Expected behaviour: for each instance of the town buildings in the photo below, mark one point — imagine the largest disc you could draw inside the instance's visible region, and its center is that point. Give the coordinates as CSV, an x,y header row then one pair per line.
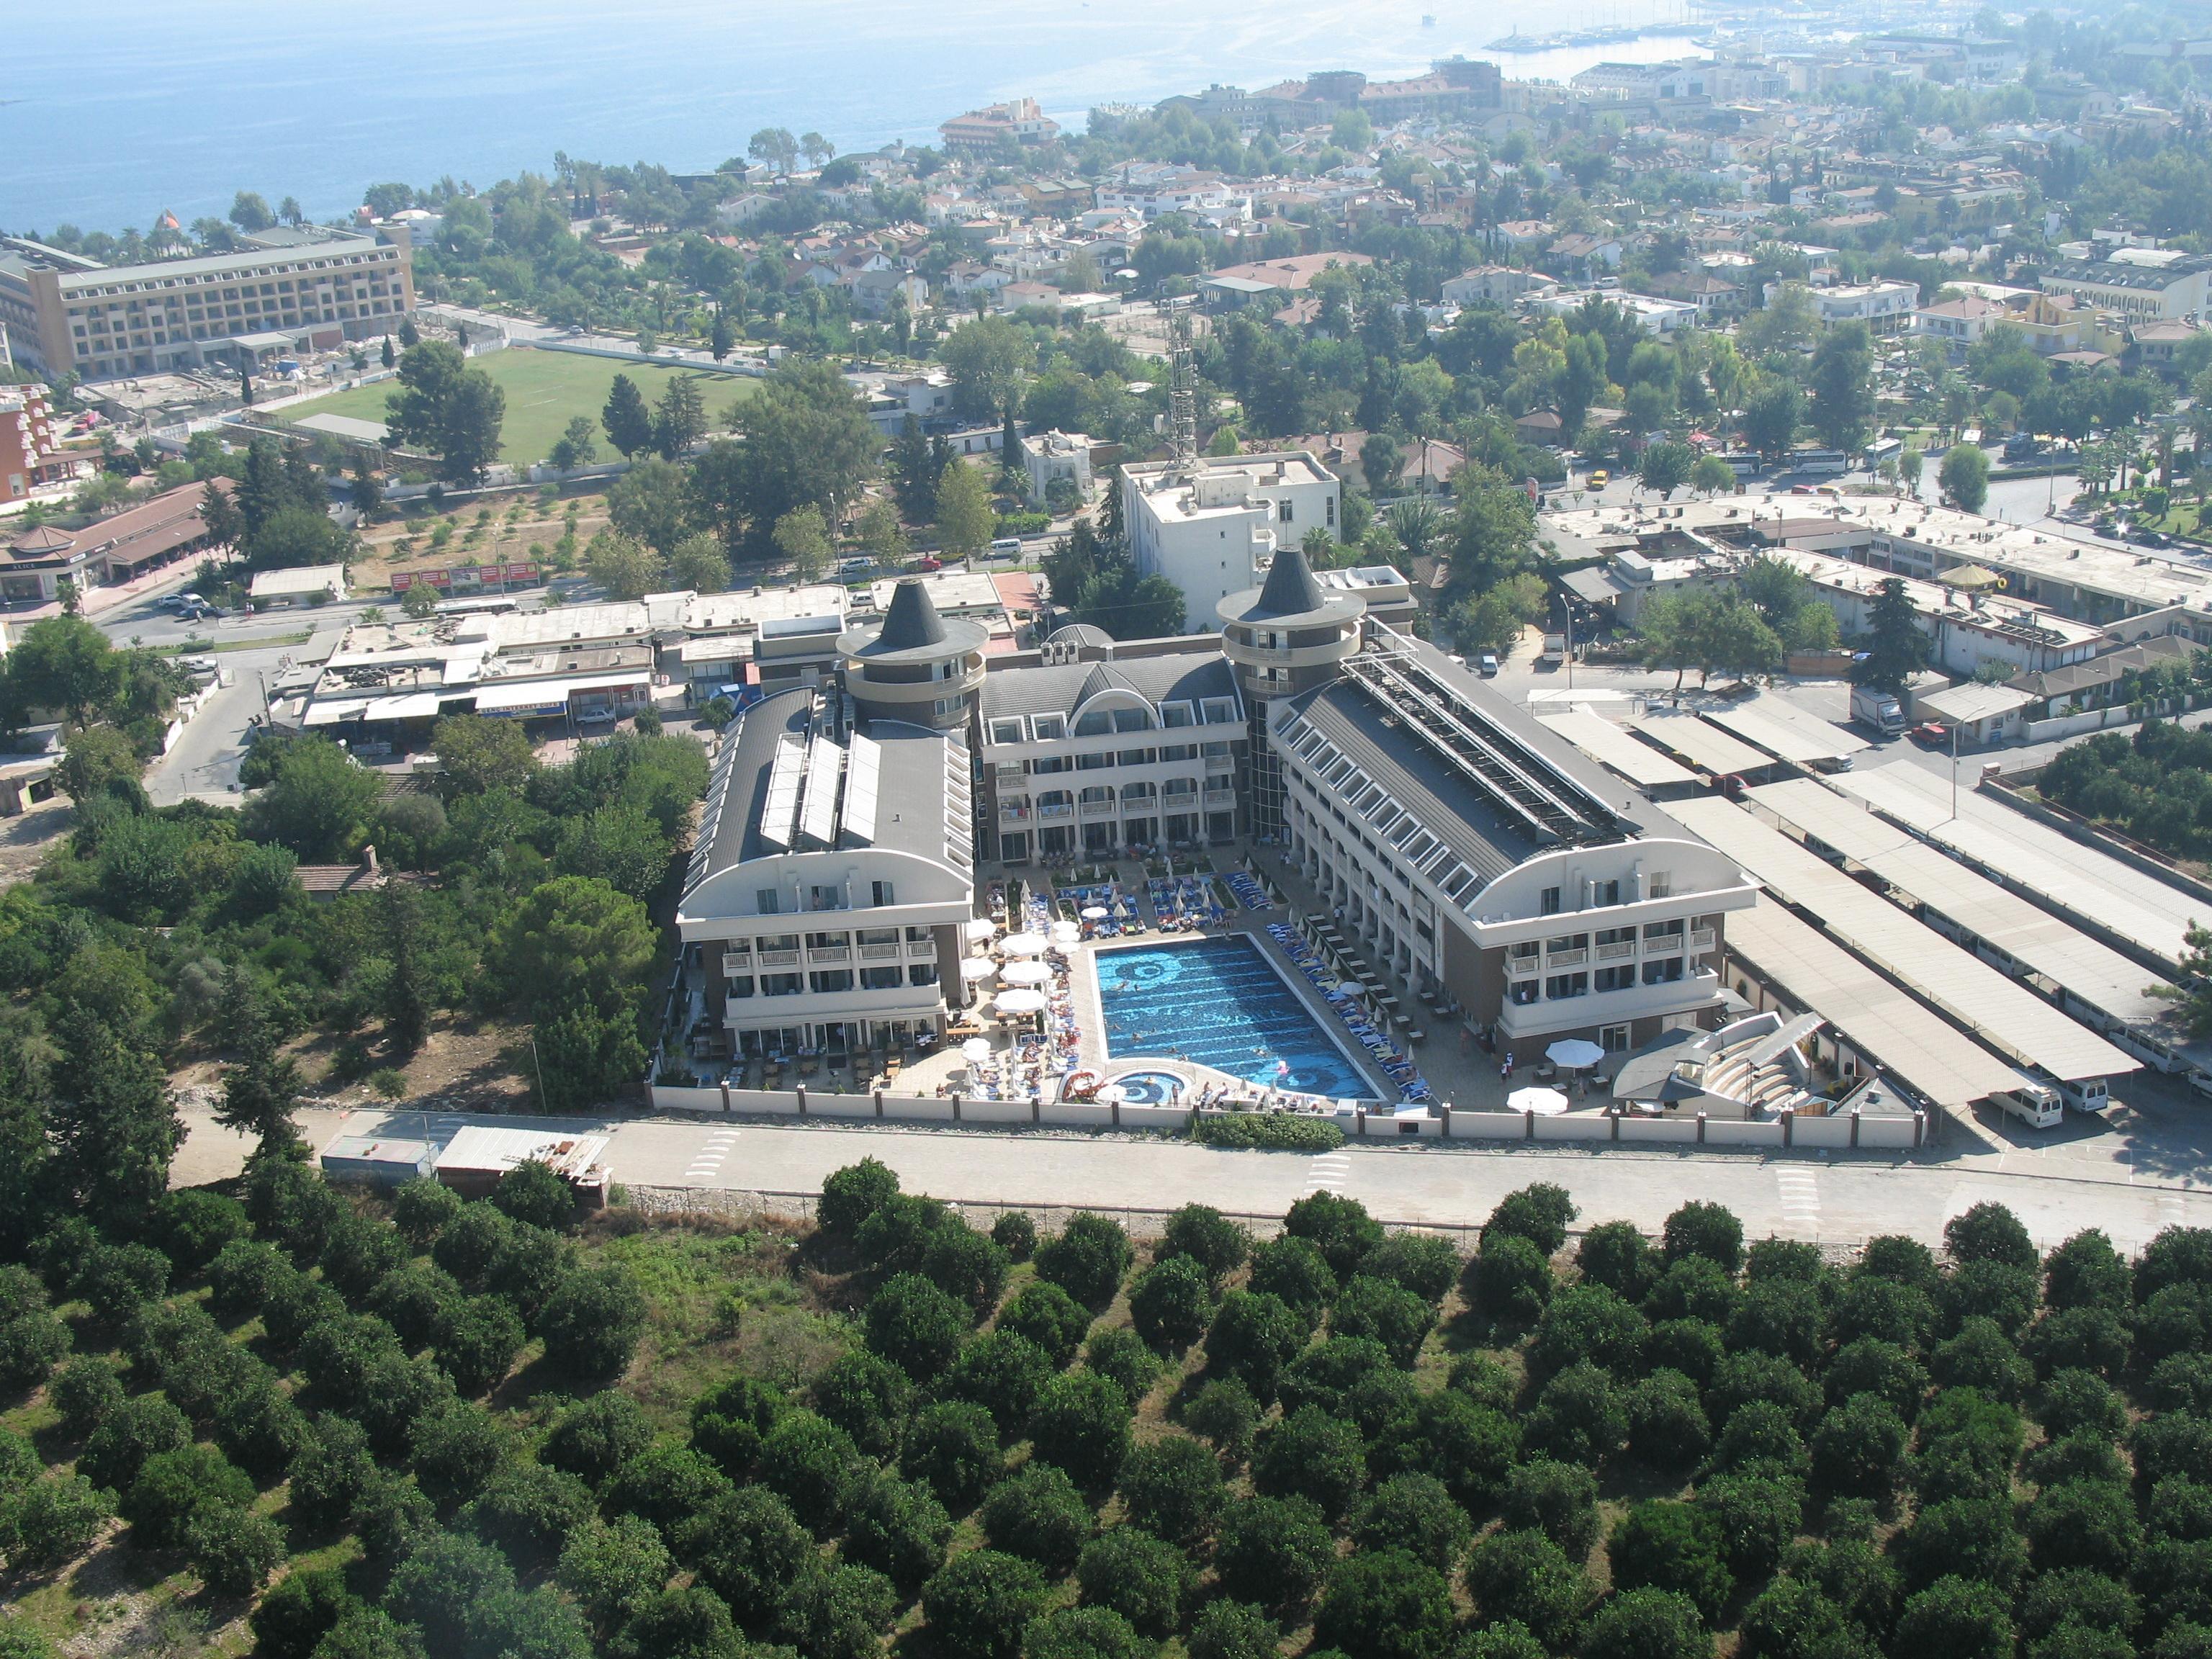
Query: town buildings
x,y
30,443
289,289
1212,526
2141,285
1018,121
158,530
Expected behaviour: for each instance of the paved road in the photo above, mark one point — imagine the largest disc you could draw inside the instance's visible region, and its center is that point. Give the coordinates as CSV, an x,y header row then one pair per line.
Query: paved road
x,y
2140,1171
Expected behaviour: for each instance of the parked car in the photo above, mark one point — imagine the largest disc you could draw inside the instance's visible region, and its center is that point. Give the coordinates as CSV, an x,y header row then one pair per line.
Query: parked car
x,y
1488,664
1933,735
855,568
928,563
1598,479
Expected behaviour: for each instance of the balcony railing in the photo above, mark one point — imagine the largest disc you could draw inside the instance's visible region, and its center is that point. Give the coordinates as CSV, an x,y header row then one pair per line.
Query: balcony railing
x,y
1057,810
1220,797
1564,958
830,953
734,964
879,953
777,958
1614,952
1702,939
921,948
1521,967
1098,809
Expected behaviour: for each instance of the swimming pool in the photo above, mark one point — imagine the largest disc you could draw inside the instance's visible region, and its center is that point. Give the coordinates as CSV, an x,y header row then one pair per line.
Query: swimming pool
x,y
1218,1002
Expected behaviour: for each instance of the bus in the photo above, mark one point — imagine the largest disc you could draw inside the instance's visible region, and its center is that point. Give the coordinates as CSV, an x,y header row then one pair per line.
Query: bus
x,y
1818,460
490,604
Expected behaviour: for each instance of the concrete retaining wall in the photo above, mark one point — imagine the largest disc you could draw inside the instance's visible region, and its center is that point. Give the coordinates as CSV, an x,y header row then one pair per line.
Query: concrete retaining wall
x,y
1576,1128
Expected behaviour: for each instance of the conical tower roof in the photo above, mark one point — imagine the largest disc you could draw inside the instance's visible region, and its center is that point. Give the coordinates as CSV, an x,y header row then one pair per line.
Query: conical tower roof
x,y
912,622
1289,589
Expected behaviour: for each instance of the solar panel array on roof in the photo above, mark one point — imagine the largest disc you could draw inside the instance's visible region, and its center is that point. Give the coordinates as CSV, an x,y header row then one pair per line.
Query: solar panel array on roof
x,y
862,769
779,825
825,764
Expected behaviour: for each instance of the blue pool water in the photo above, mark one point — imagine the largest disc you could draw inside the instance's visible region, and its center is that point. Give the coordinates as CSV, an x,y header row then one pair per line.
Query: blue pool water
x,y
1151,1088
1217,1002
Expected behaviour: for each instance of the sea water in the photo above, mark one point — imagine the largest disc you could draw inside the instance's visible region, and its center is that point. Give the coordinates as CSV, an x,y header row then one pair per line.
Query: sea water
x,y
114,111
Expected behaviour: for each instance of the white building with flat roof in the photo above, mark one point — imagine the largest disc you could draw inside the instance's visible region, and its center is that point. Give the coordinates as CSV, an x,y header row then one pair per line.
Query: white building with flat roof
x,y
1211,527
833,869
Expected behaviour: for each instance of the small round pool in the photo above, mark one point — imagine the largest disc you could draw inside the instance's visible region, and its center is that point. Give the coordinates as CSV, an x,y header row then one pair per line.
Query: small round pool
x,y
1149,1088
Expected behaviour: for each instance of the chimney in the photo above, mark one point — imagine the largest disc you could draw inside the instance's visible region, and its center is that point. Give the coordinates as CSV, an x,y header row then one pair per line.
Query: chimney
x,y
368,858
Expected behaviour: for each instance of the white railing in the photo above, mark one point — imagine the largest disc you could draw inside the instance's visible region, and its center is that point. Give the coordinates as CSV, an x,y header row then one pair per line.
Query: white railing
x,y
830,953
1614,952
777,958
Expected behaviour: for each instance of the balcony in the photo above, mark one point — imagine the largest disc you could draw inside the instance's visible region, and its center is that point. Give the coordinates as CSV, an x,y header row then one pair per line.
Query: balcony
x,y
1564,958
1680,996
830,953
1702,939
1221,798
880,953
1009,813
1098,809
1221,763
736,963
1057,810
1521,967
1615,952
779,958
923,949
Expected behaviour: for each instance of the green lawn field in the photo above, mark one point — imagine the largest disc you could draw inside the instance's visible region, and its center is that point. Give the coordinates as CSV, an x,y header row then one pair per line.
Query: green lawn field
x,y
543,389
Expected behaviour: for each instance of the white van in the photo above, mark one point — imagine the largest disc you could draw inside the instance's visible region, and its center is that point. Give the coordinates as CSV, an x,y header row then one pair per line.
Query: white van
x,y
1009,547
2035,1104
2091,1094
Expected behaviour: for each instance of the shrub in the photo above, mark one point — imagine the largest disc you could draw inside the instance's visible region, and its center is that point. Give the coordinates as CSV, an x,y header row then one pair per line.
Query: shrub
x,y
666,1486
2093,1338
1556,1499
852,1194
1081,1422
1962,1537
1690,1346
1171,1303
1776,1317
1870,1365
1273,1551
749,1548
242,1275
391,1514
1992,1289
1793,1620
1016,1234
1693,1288
422,1208
1232,1630
867,1398
1958,1618
1173,1489
596,1436
1588,1323
1000,1371
1331,1372
1388,1313
1856,1449
1539,1213
1981,1357
811,1462
978,1604
328,1472
838,1613
1761,1435
54,1520
171,1485
1667,1426
529,1510
692,1621
1313,1455
1578,1418
444,1584
1206,1237
1741,1378
1523,1576
1616,1255
1274,1132
2085,1271
1757,1512
1385,1604
1119,1354
898,1528
232,1549
1224,1413
1647,1624
1144,1578
1082,1633
2074,1595
1470,1448
1253,1336
915,1326
477,1341
1049,1317
1672,1546
1512,1279
1340,1227
85,1391
1419,1262
297,1613
592,1323
966,1264
533,1193
117,1279
194,1225
727,1423
1710,1230
136,1431
455,1451
1037,1514
953,1446
1413,1512
1293,1271
2083,1523
1087,1259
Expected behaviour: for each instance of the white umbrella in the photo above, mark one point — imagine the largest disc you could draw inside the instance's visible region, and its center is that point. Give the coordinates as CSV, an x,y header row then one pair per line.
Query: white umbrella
x,y
1574,1052
1024,944
1545,1103
1096,913
1112,1092
980,927
1066,933
976,1049
975,967
1020,1001
1031,972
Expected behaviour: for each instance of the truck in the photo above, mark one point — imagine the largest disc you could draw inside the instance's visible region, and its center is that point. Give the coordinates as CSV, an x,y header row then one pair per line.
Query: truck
x,y
1877,710
1555,647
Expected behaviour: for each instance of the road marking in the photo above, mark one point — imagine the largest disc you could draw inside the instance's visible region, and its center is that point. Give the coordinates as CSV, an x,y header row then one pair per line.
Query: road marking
x,y
1800,1189
707,1162
1330,1171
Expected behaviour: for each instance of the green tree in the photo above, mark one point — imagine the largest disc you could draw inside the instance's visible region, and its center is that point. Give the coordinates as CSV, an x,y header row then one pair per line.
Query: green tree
x,y
447,407
1273,1551
1771,418
882,534
1666,467
100,762
964,515
1896,649
1144,1579
1385,1604
1087,1259
651,503
1710,475
1963,477
62,664
804,539
1959,1619
1081,1422
318,802
577,445
1672,1546
626,419
1842,383
978,1605
1039,1516
261,1089
1174,1489
1523,1576
679,420
988,359
573,939
1647,1624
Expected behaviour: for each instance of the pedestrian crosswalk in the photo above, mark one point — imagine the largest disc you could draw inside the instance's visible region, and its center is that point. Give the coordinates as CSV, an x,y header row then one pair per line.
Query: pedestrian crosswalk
x,y
1800,1189
1330,1171
707,1162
